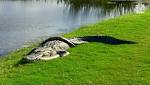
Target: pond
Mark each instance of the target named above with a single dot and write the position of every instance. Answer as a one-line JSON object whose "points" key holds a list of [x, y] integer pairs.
{"points": [[23, 21]]}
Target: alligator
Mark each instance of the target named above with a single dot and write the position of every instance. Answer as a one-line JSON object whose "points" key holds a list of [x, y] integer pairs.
{"points": [[55, 47], [52, 48]]}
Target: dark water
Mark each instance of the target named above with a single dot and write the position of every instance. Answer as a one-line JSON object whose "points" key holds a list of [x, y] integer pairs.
{"points": [[22, 21]]}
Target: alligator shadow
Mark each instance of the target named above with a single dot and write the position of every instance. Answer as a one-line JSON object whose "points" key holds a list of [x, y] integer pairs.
{"points": [[106, 40]]}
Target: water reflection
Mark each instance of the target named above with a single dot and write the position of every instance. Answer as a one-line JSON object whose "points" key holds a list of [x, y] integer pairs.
{"points": [[103, 7]]}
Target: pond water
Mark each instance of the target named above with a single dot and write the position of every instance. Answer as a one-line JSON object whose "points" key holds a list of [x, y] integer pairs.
{"points": [[23, 21]]}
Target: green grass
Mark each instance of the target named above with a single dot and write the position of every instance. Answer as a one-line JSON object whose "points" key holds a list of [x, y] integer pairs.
{"points": [[92, 63]]}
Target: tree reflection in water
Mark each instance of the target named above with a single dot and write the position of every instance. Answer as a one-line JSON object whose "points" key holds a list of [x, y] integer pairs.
{"points": [[103, 7]]}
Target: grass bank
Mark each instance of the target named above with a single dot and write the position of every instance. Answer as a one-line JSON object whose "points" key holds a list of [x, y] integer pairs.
{"points": [[92, 63]]}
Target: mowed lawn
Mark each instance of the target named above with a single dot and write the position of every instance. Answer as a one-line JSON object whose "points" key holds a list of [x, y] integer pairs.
{"points": [[94, 63]]}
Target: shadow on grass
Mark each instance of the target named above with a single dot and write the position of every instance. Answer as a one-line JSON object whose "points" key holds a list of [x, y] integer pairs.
{"points": [[21, 62], [106, 40]]}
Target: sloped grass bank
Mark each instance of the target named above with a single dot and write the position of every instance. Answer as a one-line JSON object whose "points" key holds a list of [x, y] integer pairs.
{"points": [[92, 63]]}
